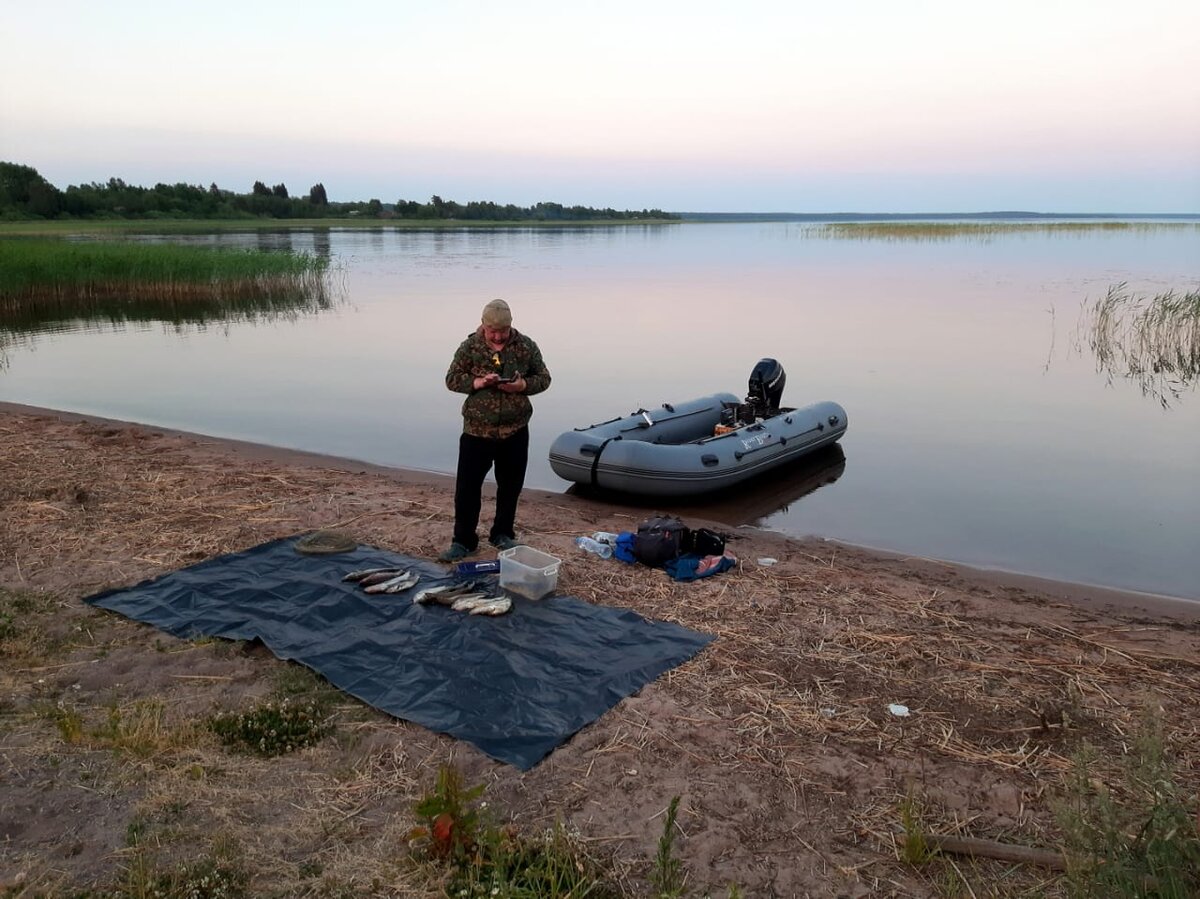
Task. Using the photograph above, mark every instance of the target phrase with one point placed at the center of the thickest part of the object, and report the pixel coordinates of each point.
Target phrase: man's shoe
(503, 543)
(456, 553)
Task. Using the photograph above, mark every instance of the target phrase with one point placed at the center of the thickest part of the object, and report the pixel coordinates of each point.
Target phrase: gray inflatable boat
(699, 446)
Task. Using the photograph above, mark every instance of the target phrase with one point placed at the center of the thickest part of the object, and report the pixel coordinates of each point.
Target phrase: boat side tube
(580, 455)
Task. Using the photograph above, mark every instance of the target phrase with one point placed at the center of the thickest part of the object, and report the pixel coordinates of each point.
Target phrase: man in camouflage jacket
(498, 368)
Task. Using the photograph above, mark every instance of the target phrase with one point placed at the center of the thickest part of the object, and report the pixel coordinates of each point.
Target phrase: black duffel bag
(660, 539)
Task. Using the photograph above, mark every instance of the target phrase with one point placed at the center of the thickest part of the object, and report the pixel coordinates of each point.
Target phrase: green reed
(939, 231)
(44, 282)
(1154, 341)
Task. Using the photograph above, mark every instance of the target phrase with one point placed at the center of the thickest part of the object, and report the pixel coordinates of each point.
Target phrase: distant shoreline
(192, 226)
(999, 216)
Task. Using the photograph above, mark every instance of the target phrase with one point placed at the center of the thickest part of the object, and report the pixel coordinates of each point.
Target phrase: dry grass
(778, 733)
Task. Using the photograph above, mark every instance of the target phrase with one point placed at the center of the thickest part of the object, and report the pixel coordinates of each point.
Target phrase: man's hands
(492, 379)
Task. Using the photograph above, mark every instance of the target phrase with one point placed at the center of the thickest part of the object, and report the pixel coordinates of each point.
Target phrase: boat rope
(642, 423)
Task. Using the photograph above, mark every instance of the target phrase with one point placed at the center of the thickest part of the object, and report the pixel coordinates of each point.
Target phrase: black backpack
(706, 542)
(660, 539)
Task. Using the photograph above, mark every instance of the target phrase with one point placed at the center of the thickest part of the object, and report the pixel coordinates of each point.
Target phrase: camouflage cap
(496, 314)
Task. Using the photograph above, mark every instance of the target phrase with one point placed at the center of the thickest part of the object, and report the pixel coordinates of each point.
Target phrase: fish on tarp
(379, 577)
(482, 604)
(446, 593)
(496, 606)
(396, 585)
(367, 572)
(464, 602)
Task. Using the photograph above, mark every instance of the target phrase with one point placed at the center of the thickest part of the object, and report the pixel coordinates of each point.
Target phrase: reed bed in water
(934, 231)
(44, 283)
(58, 270)
(1152, 340)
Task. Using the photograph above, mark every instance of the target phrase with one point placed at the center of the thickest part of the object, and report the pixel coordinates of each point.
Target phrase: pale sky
(746, 105)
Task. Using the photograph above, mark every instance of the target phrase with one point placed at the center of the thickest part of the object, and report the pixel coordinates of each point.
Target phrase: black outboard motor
(762, 400)
(766, 388)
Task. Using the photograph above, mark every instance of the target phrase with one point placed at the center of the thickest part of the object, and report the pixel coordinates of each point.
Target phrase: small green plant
(208, 878)
(295, 682)
(139, 729)
(451, 816)
(549, 866)
(8, 626)
(217, 875)
(487, 861)
(668, 877)
(68, 721)
(1140, 837)
(22, 634)
(273, 728)
(915, 848)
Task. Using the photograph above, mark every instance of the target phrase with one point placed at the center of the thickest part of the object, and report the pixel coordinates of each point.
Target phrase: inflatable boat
(699, 446)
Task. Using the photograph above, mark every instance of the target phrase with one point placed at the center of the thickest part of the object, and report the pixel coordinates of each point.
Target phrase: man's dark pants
(476, 456)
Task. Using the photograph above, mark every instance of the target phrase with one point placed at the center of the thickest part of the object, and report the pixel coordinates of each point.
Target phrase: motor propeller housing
(766, 387)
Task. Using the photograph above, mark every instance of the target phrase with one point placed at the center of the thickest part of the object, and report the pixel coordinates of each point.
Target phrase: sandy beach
(778, 738)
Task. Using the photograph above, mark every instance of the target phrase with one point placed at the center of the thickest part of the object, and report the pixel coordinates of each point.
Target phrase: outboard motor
(762, 399)
(766, 388)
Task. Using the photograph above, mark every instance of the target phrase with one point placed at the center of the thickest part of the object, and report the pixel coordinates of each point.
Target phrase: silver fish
(470, 601)
(432, 593)
(366, 572)
(446, 592)
(496, 606)
(396, 584)
(401, 584)
(380, 576)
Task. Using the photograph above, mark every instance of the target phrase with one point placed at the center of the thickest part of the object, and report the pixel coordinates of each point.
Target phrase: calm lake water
(980, 428)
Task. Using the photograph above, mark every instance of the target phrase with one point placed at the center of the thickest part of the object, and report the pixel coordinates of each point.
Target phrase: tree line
(25, 194)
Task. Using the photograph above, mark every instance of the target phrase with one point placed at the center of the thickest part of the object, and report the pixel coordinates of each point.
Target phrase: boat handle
(709, 459)
(589, 449)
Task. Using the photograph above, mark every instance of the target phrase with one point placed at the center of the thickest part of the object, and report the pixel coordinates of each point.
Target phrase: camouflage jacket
(492, 412)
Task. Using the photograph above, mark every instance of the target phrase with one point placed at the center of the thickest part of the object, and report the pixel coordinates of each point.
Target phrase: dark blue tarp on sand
(515, 686)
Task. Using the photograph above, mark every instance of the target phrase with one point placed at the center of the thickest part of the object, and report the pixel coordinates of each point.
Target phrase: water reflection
(21, 318)
(322, 246)
(748, 503)
(274, 241)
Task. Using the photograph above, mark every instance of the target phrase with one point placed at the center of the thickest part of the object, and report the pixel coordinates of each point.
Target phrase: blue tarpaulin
(515, 686)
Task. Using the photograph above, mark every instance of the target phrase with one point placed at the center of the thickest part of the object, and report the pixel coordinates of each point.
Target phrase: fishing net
(320, 543)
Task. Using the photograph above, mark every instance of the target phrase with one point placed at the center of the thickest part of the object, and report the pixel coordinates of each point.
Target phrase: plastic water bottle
(587, 544)
(605, 537)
